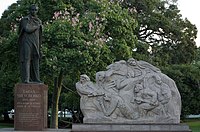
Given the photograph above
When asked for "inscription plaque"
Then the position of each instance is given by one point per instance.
(30, 106)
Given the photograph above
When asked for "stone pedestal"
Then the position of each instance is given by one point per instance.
(30, 107)
(130, 128)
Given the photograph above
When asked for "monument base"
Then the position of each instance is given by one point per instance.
(30, 107)
(130, 128)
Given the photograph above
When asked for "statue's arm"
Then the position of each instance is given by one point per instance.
(82, 90)
(27, 27)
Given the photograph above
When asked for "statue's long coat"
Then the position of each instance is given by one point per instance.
(29, 37)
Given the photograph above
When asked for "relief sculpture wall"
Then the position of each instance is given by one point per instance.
(129, 92)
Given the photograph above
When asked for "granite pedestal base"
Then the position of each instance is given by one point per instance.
(30, 107)
(130, 128)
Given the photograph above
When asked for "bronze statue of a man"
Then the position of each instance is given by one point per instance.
(30, 33)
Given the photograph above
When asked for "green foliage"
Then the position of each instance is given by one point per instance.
(69, 100)
(162, 27)
(84, 36)
(79, 37)
(197, 60)
(9, 71)
(187, 78)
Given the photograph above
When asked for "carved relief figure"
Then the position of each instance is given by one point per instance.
(146, 100)
(129, 92)
(155, 83)
(88, 102)
(112, 104)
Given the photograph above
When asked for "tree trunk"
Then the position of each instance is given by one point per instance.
(6, 117)
(55, 100)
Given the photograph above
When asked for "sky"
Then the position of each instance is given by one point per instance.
(189, 9)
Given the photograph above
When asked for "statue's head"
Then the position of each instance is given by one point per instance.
(158, 80)
(33, 9)
(84, 78)
(115, 66)
(100, 76)
(138, 87)
(132, 62)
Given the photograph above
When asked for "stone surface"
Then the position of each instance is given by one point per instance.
(30, 107)
(129, 92)
(130, 128)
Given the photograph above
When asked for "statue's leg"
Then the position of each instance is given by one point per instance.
(113, 105)
(35, 69)
(25, 64)
(22, 71)
(25, 71)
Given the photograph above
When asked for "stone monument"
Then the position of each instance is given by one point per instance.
(30, 95)
(129, 96)
(30, 107)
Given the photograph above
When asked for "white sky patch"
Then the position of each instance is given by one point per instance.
(191, 9)
(5, 4)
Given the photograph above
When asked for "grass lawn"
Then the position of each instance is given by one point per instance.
(194, 124)
(6, 125)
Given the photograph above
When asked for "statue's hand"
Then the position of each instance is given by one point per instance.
(92, 94)
(34, 27)
(111, 84)
(41, 54)
(107, 114)
(41, 26)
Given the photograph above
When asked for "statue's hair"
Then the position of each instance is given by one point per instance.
(131, 59)
(86, 77)
(138, 84)
(33, 5)
(100, 73)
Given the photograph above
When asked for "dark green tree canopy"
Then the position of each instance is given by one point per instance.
(162, 27)
(79, 37)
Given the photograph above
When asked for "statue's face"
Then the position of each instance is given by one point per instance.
(138, 88)
(33, 10)
(116, 66)
(159, 81)
(100, 77)
(132, 62)
(83, 79)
